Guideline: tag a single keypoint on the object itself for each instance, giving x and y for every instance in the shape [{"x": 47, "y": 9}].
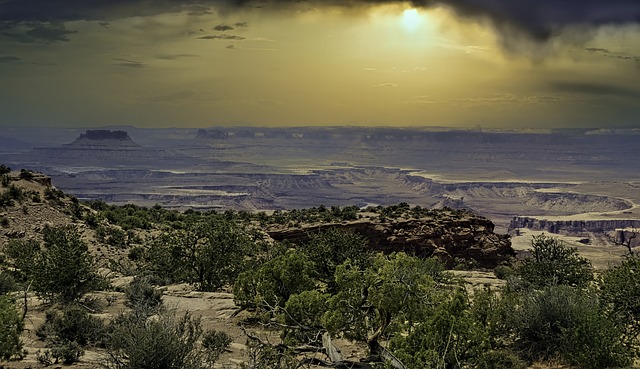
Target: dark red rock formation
[{"x": 449, "y": 235}]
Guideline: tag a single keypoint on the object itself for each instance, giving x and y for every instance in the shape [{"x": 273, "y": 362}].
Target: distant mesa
[
  {"x": 103, "y": 138},
  {"x": 212, "y": 134},
  {"x": 104, "y": 134}
]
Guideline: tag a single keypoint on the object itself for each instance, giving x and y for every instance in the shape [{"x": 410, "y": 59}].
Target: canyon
[{"x": 584, "y": 174}]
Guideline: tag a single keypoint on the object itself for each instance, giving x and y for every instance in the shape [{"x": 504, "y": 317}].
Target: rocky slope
[{"x": 451, "y": 235}]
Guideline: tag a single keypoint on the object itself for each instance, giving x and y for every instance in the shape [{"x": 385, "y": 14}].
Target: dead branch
[
  {"x": 346, "y": 364},
  {"x": 626, "y": 241},
  {"x": 25, "y": 308},
  {"x": 379, "y": 354},
  {"x": 332, "y": 352}
]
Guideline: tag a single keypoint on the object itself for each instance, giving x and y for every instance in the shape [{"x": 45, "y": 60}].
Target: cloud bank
[{"x": 539, "y": 19}]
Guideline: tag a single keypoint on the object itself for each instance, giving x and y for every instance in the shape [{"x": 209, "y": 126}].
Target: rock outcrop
[
  {"x": 448, "y": 234},
  {"x": 573, "y": 226}
]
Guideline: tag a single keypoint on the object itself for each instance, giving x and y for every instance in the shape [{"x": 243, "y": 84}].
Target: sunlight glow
[{"x": 411, "y": 19}]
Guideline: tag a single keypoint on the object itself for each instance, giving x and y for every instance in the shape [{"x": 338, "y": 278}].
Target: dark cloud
[
  {"x": 594, "y": 89},
  {"x": 176, "y": 56},
  {"x": 47, "y": 33},
  {"x": 597, "y": 50},
  {"x": 231, "y": 47},
  {"x": 537, "y": 20},
  {"x": 199, "y": 10},
  {"x": 173, "y": 96},
  {"x": 543, "y": 19},
  {"x": 242, "y": 24},
  {"x": 221, "y": 37},
  {"x": 129, "y": 63},
  {"x": 16, "y": 60},
  {"x": 223, "y": 28},
  {"x": 615, "y": 55},
  {"x": 10, "y": 59}
]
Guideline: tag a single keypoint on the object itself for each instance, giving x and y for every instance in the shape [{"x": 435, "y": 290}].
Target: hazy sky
[{"x": 199, "y": 63}]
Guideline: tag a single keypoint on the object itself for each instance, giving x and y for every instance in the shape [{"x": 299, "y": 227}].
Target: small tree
[
  {"x": 553, "y": 263},
  {"x": 209, "y": 254},
  {"x": 271, "y": 285},
  {"x": 383, "y": 299},
  {"x": 63, "y": 270},
  {"x": 11, "y": 326},
  {"x": 333, "y": 247}
]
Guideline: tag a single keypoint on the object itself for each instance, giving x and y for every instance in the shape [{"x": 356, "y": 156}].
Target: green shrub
[
  {"x": 7, "y": 283},
  {"x": 553, "y": 263},
  {"x": 271, "y": 285},
  {"x": 5, "y": 199},
  {"x": 620, "y": 290},
  {"x": 72, "y": 324},
  {"x": 262, "y": 356},
  {"x": 23, "y": 254},
  {"x": 53, "y": 194},
  {"x": 390, "y": 297},
  {"x": 500, "y": 359},
  {"x": 4, "y": 169},
  {"x": 209, "y": 255},
  {"x": 143, "y": 296},
  {"x": 16, "y": 193},
  {"x": 136, "y": 253},
  {"x": 44, "y": 357},
  {"x": 495, "y": 311},
  {"x": 167, "y": 341},
  {"x": 465, "y": 264},
  {"x": 302, "y": 316},
  {"x": 67, "y": 353},
  {"x": 11, "y": 326},
  {"x": 25, "y": 174},
  {"x": 216, "y": 342},
  {"x": 503, "y": 272},
  {"x": 4, "y": 222},
  {"x": 333, "y": 247},
  {"x": 448, "y": 337},
  {"x": 569, "y": 324},
  {"x": 112, "y": 236},
  {"x": 5, "y": 180}
]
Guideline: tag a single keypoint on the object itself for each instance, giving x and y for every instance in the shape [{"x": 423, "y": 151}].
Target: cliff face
[
  {"x": 447, "y": 235},
  {"x": 573, "y": 226}
]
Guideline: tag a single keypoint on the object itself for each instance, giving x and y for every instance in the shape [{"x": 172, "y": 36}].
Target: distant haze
[{"x": 201, "y": 63}]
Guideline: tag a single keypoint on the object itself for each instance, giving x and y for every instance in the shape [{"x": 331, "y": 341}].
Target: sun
[{"x": 411, "y": 19}]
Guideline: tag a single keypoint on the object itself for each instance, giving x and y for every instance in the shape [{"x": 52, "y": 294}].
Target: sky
[{"x": 506, "y": 64}]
